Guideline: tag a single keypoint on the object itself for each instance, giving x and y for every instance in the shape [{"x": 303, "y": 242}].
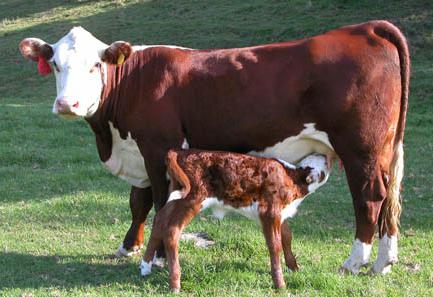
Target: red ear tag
[{"x": 43, "y": 67}]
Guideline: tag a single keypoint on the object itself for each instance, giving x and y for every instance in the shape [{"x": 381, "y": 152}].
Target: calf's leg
[
  {"x": 272, "y": 231},
  {"x": 168, "y": 226},
  {"x": 286, "y": 241}
]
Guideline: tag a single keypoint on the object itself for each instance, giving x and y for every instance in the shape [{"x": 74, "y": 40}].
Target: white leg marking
[
  {"x": 145, "y": 268},
  {"x": 358, "y": 257},
  {"x": 122, "y": 252},
  {"x": 175, "y": 195},
  {"x": 386, "y": 255},
  {"x": 159, "y": 262}
]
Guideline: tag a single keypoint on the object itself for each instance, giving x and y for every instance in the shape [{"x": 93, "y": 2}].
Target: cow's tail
[
  {"x": 392, "y": 207},
  {"x": 178, "y": 177}
]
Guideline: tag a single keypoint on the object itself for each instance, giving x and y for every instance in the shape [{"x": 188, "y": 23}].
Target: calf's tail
[{"x": 177, "y": 175}]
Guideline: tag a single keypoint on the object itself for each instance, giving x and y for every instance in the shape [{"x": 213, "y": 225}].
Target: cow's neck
[{"x": 116, "y": 77}]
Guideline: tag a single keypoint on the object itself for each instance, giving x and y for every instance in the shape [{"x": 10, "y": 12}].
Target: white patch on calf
[
  {"x": 175, "y": 195},
  {"x": 219, "y": 209},
  {"x": 290, "y": 210},
  {"x": 358, "y": 257},
  {"x": 318, "y": 165},
  {"x": 386, "y": 255},
  {"x": 126, "y": 161},
  {"x": 286, "y": 164}
]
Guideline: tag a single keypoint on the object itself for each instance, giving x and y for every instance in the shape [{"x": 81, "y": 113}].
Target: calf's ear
[
  {"x": 35, "y": 48},
  {"x": 117, "y": 53},
  {"x": 309, "y": 179}
]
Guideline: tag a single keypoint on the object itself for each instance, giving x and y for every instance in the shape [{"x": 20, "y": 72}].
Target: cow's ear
[
  {"x": 117, "y": 53},
  {"x": 35, "y": 48}
]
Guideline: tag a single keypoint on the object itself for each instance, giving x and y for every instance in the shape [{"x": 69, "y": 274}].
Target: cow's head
[
  {"x": 318, "y": 170},
  {"x": 79, "y": 63}
]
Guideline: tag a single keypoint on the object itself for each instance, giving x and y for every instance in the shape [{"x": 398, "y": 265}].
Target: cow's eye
[
  {"x": 55, "y": 66},
  {"x": 96, "y": 66}
]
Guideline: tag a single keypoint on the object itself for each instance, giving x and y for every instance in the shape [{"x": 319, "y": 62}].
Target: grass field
[{"x": 62, "y": 215}]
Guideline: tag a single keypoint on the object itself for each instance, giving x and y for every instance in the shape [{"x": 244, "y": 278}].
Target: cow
[
  {"x": 264, "y": 190},
  {"x": 343, "y": 91}
]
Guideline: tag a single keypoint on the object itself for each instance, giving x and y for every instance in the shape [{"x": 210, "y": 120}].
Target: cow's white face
[
  {"x": 79, "y": 62},
  {"x": 79, "y": 73}
]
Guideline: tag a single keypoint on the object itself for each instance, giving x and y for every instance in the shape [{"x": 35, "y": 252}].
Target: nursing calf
[{"x": 261, "y": 189}]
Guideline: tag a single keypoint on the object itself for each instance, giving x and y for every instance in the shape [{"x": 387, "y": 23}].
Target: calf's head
[
  {"x": 318, "y": 170},
  {"x": 79, "y": 61}
]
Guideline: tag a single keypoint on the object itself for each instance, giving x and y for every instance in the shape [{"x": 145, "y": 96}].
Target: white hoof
[
  {"x": 386, "y": 255},
  {"x": 358, "y": 258},
  {"x": 158, "y": 262},
  {"x": 145, "y": 268},
  {"x": 122, "y": 252}
]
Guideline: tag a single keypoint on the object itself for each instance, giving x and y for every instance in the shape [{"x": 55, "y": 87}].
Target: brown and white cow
[
  {"x": 344, "y": 91},
  {"x": 260, "y": 189}
]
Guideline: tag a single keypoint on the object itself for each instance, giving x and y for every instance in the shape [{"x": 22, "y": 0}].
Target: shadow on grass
[
  {"x": 29, "y": 271},
  {"x": 25, "y": 271}
]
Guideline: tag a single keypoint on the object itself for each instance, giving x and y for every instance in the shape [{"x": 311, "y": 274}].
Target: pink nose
[{"x": 64, "y": 106}]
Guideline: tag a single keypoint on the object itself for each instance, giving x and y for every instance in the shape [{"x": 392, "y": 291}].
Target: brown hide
[
  {"x": 238, "y": 181},
  {"x": 351, "y": 82}
]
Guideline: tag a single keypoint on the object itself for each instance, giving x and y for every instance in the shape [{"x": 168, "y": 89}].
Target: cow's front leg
[
  {"x": 158, "y": 177},
  {"x": 140, "y": 202},
  {"x": 368, "y": 192}
]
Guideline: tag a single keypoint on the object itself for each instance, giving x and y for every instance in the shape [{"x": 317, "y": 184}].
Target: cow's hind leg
[
  {"x": 368, "y": 188},
  {"x": 389, "y": 216},
  {"x": 140, "y": 202},
  {"x": 286, "y": 241}
]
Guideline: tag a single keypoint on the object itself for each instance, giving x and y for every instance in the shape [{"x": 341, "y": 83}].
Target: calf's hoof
[
  {"x": 292, "y": 265},
  {"x": 280, "y": 286},
  {"x": 145, "y": 268},
  {"x": 158, "y": 262},
  {"x": 175, "y": 290},
  {"x": 123, "y": 252}
]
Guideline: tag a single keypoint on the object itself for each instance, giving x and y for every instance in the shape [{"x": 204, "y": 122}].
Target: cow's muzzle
[{"x": 65, "y": 107}]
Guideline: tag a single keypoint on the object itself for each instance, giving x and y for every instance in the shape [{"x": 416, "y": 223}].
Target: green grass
[{"x": 62, "y": 215}]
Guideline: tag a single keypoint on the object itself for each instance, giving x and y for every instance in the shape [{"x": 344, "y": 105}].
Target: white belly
[
  {"x": 294, "y": 148},
  {"x": 126, "y": 161},
  {"x": 219, "y": 209}
]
